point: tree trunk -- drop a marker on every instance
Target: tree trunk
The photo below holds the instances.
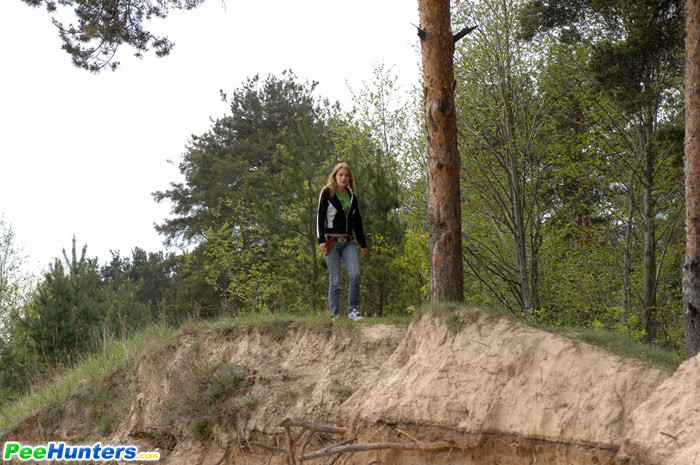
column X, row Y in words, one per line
column 517, row 190
column 444, row 205
column 627, row 269
column 649, row 324
column 691, row 267
column 519, row 232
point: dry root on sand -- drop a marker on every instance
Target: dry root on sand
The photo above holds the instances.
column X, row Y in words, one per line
column 306, row 432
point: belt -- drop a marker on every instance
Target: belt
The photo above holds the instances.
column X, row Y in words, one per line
column 340, row 238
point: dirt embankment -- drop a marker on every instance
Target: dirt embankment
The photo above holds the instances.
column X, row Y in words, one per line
column 493, row 390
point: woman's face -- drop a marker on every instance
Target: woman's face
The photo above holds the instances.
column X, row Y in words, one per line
column 342, row 177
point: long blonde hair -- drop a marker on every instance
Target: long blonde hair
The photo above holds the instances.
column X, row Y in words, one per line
column 334, row 185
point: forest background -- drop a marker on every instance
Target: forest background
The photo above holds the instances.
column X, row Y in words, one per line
column 571, row 131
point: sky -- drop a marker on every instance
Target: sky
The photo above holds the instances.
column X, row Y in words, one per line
column 81, row 154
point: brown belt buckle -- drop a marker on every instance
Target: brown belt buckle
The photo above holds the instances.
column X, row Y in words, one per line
column 341, row 239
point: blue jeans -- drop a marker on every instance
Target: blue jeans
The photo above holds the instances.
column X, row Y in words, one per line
column 348, row 251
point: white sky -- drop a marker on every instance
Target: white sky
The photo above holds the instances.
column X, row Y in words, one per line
column 80, row 154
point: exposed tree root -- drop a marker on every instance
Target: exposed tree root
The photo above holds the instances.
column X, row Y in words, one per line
column 296, row 454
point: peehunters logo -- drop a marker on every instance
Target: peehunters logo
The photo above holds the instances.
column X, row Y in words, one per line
column 60, row 451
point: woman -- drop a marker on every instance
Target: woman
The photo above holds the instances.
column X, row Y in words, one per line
column 338, row 216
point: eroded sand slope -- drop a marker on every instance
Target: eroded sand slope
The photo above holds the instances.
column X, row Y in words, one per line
column 500, row 392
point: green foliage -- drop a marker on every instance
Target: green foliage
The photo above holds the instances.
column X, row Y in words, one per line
column 73, row 310
column 98, row 27
column 503, row 140
column 234, row 158
column 237, row 266
column 102, row 405
column 638, row 44
column 455, row 323
column 251, row 192
column 153, row 274
column 289, row 209
column 15, row 290
column 374, row 139
column 90, row 370
column 560, row 132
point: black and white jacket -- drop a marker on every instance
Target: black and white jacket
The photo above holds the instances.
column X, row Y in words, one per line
column 331, row 217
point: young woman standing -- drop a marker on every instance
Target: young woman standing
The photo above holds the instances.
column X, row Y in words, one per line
column 337, row 218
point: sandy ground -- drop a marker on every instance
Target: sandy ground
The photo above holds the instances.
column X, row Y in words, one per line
column 494, row 392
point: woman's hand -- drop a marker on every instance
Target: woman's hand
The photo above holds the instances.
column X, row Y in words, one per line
column 364, row 250
column 322, row 246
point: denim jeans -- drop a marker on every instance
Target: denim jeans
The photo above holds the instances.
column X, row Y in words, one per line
column 348, row 251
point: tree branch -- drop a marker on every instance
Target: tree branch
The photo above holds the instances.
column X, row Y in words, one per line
column 463, row 33
column 421, row 32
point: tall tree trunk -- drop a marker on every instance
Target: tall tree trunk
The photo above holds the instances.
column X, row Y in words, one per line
column 444, row 206
column 627, row 269
column 649, row 324
column 519, row 231
column 691, row 267
column 517, row 190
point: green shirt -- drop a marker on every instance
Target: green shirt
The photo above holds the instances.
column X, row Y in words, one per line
column 345, row 198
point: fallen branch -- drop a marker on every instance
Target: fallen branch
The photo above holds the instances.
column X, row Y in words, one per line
column 333, row 459
column 290, row 446
column 309, row 434
column 310, row 429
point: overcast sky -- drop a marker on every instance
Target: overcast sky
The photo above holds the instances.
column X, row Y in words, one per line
column 80, row 154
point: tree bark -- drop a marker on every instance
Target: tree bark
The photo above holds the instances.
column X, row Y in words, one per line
column 691, row 159
column 627, row 270
column 443, row 165
column 649, row 323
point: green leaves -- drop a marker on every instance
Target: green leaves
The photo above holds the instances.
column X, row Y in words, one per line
column 235, row 157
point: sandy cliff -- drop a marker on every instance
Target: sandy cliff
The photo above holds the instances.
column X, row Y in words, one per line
column 489, row 390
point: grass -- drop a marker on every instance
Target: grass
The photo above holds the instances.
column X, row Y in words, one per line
column 457, row 316
column 118, row 355
column 340, row 391
column 276, row 325
column 205, row 394
column 620, row 344
column 115, row 356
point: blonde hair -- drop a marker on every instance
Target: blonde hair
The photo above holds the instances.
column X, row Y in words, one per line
column 331, row 179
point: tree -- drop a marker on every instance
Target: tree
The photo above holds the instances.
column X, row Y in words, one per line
column 229, row 159
column 15, row 288
column 502, row 125
column 13, row 282
column 103, row 25
column 377, row 135
column 73, row 310
column 305, row 149
column 635, row 61
column 153, row 274
column 444, row 206
column 691, row 267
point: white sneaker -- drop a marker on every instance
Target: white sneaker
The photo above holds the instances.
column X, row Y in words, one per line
column 354, row 314
column 334, row 317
